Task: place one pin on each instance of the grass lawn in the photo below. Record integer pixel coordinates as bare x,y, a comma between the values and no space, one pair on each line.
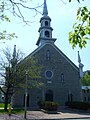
17,111
13,111
1,105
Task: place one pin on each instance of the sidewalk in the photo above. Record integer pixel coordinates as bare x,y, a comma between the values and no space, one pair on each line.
63,113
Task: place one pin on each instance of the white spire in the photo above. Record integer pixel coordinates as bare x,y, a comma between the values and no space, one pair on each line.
79,59
14,52
80,66
14,59
45,11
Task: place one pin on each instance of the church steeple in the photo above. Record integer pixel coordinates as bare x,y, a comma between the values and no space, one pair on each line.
45,30
14,59
14,52
80,66
45,11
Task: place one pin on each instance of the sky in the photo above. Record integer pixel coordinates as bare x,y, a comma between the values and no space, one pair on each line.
63,15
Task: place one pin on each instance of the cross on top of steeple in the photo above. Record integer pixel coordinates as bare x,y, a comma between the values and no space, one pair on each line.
45,11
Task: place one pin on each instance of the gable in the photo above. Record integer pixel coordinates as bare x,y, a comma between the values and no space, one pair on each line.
55,50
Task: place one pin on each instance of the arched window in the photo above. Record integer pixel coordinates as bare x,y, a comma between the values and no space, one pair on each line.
48,55
47,34
46,23
62,77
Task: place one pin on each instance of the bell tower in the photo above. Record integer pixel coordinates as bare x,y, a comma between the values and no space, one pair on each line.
45,30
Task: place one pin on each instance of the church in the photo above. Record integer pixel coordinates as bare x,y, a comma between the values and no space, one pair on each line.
61,77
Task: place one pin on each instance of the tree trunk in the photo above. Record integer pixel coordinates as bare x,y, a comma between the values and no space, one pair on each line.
6,101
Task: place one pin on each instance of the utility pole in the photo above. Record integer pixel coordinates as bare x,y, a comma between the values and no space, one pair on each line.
25,115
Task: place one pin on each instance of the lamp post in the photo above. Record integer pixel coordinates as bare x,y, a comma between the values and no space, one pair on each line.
25,97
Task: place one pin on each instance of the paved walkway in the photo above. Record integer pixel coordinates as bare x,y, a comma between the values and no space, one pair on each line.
63,113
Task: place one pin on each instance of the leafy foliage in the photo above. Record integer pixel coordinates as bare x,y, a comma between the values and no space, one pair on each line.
29,64
48,105
81,29
8,72
85,80
15,8
7,36
14,73
3,34
14,111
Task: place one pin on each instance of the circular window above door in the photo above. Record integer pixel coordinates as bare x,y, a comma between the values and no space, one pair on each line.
48,74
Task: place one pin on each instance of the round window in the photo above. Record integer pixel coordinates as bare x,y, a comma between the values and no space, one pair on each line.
48,74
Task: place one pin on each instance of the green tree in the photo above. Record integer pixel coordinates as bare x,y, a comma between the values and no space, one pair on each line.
81,29
80,34
14,73
8,72
76,37
85,80
4,35
8,7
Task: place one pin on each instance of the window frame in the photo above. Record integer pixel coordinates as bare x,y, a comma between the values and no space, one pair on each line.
47,34
48,76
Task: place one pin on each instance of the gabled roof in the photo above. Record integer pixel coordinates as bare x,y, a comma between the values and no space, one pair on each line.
58,50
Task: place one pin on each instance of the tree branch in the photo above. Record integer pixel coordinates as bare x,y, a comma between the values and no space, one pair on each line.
19,14
2,90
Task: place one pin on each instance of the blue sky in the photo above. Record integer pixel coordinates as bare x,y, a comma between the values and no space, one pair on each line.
62,15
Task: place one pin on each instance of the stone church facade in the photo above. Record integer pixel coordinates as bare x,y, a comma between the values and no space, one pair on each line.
60,75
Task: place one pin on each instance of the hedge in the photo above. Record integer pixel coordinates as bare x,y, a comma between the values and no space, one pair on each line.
48,105
78,105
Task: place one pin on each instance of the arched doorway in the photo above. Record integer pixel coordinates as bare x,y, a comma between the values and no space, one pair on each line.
49,95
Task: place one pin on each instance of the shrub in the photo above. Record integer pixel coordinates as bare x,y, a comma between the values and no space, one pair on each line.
48,105
51,106
78,105
41,104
